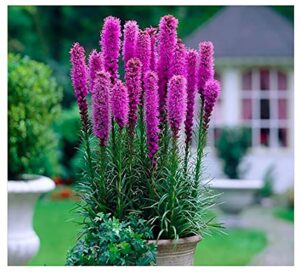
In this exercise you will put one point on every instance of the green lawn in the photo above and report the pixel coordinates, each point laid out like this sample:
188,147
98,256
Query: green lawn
236,247
58,234
284,213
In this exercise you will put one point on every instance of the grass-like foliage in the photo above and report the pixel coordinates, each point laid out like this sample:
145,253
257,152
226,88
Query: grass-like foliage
136,158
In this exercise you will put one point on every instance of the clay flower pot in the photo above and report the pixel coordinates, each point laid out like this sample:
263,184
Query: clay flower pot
23,242
176,252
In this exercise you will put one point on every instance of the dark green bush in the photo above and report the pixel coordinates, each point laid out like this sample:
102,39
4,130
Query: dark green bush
232,146
67,127
109,241
33,105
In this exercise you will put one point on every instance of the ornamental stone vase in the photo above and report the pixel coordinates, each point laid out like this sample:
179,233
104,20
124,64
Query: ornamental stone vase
23,242
235,195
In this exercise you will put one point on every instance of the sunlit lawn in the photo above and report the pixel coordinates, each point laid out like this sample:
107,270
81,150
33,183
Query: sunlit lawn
58,234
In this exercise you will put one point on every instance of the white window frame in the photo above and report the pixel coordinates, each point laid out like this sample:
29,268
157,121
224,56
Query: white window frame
273,94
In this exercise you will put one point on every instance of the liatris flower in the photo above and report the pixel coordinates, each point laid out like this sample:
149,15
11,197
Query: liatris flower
110,44
131,30
176,102
133,75
151,112
167,39
101,107
143,50
79,81
152,31
206,66
119,103
192,65
95,65
179,61
211,93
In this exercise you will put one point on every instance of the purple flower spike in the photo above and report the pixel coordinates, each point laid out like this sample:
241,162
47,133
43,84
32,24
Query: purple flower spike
133,74
110,44
206,66
119,103
167,38
176,102
79,70
101,107
179,61
79,81
152,31
131,30
143,50
95,65
192,68
211,92
151,112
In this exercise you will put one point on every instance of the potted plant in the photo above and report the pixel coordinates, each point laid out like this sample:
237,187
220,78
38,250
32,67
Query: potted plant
237,194
33,103
136,150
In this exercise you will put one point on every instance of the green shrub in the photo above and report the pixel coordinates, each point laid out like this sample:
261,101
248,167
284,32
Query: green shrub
267,189
33,105
66,127
108,241
232,146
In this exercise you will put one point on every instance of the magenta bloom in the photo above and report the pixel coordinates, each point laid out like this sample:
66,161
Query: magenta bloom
133,74
143,50
79,70
79,81
119,103
151,112
101,107
192,68
110,44
167,38
176,102
131,30
95,65
152,31
211,92
179,61
206,66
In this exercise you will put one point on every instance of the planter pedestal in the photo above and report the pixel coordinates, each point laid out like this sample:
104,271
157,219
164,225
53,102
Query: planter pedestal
235,196
173,253
23,243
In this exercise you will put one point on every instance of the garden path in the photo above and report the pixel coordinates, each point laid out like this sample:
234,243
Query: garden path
280,235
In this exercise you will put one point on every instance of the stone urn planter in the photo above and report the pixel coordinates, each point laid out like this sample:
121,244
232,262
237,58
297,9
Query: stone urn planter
23,242
235,195
176,252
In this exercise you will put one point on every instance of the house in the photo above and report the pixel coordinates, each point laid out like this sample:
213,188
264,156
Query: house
254,51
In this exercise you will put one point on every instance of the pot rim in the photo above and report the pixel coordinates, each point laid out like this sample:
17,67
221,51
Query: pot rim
185,240
39,184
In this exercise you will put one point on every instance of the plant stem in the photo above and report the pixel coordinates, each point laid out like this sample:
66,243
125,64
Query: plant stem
200,146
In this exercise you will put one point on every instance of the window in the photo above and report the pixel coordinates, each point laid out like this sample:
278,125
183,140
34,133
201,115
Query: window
265,106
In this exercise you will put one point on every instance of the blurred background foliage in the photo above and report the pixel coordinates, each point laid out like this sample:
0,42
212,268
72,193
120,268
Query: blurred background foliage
33,104
46,33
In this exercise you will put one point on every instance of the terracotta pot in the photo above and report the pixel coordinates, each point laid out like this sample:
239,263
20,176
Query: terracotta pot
23,242
176,252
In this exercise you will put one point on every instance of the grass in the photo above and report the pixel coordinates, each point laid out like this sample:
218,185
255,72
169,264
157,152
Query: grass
236,247
58,234
286,214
